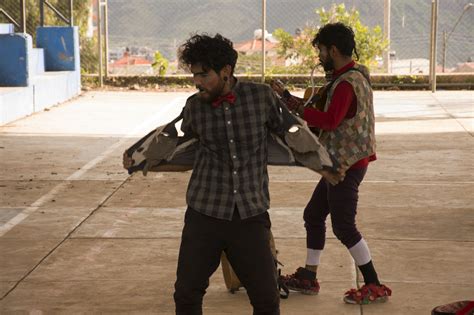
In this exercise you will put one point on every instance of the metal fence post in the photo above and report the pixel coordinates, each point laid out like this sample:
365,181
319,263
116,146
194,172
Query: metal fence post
434,29
23,16
106,35
99,41
41,13
71,15
445,39
264,24
386,31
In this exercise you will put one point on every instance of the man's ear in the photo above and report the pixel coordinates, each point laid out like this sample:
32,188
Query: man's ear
334,51
226,72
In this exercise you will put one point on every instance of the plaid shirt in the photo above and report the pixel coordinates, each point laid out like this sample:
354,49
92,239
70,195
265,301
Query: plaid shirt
230,168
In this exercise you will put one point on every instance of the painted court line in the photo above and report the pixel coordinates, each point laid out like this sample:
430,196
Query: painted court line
143,128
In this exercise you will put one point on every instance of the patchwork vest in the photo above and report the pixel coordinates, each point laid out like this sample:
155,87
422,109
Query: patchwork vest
354,138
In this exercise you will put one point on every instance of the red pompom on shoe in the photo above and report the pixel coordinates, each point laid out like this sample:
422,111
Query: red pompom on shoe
302,280
368,294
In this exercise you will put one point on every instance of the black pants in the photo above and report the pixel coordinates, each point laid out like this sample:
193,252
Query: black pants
246,243
341,202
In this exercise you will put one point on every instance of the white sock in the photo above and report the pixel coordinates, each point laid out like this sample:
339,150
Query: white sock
313,256
361,253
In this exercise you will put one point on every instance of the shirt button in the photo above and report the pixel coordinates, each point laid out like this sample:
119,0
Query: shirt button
231,140
228,122
234,156
235,172
235,191
226,108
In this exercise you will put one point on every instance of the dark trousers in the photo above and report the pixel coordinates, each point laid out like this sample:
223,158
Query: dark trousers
246,244
341,202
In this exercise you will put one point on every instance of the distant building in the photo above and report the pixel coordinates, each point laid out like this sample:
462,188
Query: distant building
253,46
410,66
114,55
131,65
464,67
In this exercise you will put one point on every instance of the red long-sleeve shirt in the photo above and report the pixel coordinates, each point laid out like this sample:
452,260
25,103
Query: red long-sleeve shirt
343,105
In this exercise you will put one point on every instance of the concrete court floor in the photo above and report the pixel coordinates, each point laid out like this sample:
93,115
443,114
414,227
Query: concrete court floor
78,235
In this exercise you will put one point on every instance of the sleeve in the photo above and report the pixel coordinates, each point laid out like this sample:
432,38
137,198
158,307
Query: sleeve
274,114
341,101
292,102
186,124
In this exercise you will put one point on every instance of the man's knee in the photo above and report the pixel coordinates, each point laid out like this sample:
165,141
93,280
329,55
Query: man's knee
188,300
347,234
263,291
269,305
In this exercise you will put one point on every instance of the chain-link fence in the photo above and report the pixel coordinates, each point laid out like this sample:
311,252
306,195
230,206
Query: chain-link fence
57,13
13,9
410,39
142,36
456,36
137,29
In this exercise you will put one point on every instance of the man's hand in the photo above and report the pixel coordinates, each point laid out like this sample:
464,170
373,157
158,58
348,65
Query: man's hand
331,177
278,87
127,161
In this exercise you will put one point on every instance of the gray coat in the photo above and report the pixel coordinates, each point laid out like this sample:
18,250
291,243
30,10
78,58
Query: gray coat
163,150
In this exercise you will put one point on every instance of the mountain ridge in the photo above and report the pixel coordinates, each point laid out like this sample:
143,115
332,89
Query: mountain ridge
163,25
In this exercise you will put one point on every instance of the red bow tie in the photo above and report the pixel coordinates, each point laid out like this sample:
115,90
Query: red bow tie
229,98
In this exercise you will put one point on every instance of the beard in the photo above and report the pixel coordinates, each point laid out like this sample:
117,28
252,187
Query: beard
210,95
328,65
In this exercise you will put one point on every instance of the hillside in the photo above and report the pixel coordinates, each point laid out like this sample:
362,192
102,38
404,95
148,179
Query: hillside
164,24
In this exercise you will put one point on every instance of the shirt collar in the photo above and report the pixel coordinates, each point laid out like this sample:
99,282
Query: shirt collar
236,86
344,69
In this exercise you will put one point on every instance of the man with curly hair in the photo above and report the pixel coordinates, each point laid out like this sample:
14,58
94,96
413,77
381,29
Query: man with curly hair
346,125
228,193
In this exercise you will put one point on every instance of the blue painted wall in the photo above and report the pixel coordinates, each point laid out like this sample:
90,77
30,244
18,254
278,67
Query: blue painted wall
61,47
14,49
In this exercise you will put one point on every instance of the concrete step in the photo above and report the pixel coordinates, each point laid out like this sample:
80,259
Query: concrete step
55,87
7,28
45,90
36,62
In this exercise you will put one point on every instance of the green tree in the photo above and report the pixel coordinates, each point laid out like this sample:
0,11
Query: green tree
161,64
369,41
298,48
88,45
251,64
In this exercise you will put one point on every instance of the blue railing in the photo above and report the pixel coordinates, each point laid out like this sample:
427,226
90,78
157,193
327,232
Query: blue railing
58,13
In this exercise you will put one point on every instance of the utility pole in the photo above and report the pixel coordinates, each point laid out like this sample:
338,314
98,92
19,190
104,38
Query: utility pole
386,34
264,27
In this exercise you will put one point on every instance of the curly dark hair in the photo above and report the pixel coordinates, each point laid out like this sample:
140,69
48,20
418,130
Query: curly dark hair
211,52
339,35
